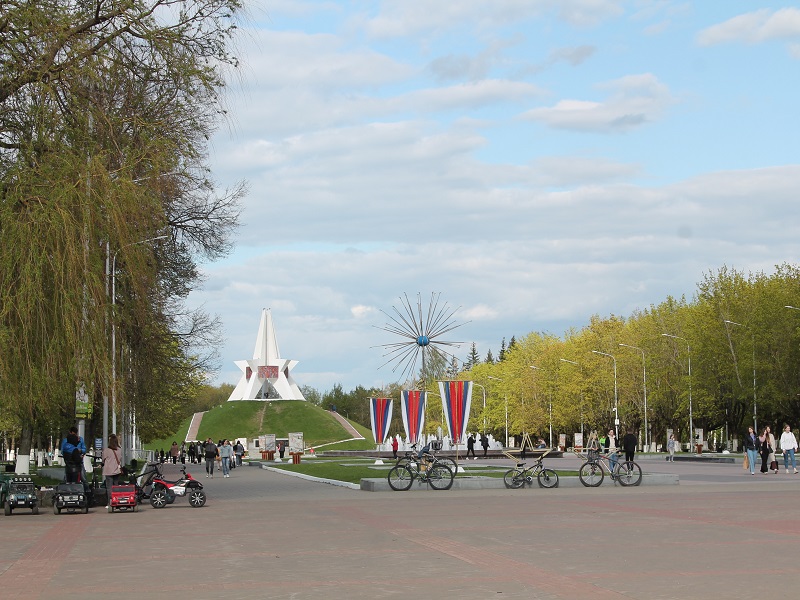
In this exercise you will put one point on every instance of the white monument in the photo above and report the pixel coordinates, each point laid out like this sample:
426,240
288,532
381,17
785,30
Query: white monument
267,376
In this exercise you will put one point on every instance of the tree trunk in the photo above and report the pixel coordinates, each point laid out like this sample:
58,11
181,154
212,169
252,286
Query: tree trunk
24,455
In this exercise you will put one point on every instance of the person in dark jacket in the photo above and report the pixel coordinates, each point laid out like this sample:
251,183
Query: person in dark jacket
471,446
210,452
765,449
484,443
751,446
629,445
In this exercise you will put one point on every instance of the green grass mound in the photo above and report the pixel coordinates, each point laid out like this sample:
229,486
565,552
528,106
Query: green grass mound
249,419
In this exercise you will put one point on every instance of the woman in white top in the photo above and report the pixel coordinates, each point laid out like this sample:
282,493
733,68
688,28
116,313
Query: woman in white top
611,449
788,447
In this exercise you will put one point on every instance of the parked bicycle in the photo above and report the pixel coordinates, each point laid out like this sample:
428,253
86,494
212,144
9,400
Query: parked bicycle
592,472
412,456
518,476
427,469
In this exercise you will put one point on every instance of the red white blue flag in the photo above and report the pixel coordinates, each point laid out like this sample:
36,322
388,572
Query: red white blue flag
412,404
380,414
456,399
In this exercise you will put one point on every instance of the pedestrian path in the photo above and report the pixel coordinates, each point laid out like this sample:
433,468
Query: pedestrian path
346,424
274,537
194,427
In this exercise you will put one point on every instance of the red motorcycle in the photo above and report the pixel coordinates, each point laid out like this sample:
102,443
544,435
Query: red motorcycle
164,492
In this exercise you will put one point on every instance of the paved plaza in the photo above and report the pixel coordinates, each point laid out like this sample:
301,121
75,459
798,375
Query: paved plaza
721,533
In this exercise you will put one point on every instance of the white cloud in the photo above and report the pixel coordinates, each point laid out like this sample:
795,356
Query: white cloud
369,178
360,311
517,268
416,17
753,28
634,101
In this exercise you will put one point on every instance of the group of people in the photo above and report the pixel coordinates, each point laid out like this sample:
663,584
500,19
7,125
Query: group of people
228,455
195,452
608,444
762,448
471,445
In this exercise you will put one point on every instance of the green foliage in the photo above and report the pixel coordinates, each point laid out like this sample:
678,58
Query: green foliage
725,359
105,113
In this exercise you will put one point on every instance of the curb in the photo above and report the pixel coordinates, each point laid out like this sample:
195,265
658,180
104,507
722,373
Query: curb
496,483
344,484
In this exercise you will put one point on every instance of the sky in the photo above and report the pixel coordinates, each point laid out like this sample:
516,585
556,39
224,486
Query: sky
530,163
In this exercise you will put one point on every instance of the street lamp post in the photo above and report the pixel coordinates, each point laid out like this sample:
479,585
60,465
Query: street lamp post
572,362
689,353
484,405
644,385
616,397
114,344
505,442
755,406
549,407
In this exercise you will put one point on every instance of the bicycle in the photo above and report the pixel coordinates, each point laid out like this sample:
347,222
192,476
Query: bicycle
426,470
592,471
518,476
411,456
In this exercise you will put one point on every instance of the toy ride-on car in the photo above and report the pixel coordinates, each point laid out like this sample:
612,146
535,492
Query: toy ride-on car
21,493
71,497
123,497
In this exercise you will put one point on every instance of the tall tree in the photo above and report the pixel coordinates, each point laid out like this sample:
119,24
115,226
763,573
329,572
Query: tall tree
473,358
105,112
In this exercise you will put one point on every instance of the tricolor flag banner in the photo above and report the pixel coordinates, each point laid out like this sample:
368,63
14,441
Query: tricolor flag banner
412,403
456,399
380,414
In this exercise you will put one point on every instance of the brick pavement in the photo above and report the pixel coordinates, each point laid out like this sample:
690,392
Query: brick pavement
268,535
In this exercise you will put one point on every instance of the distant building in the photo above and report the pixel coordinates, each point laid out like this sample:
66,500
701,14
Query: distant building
267,376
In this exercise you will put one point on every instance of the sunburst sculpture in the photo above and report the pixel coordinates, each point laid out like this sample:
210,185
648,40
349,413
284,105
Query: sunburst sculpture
421,331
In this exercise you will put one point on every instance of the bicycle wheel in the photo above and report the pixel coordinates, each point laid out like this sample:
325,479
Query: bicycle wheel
514,479
448,462
440,477
548,478
628,473
591,474
400,478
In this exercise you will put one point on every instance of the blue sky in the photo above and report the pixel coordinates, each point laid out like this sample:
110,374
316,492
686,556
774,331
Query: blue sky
534,161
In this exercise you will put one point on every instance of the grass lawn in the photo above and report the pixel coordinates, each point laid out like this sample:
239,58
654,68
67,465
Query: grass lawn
353,470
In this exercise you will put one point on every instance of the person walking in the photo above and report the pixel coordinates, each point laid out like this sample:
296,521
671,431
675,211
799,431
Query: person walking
210,451
788,447
238,451
773,462
226,453
395,446
112,466
752,447
671,448
484,444
174,452
764,450
471,447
